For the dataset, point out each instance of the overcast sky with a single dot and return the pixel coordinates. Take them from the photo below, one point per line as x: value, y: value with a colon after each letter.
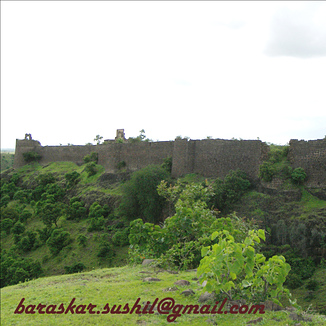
x: 73, y: 70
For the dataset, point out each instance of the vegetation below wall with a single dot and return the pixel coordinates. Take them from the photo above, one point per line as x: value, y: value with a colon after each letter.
x: 63, y: 218
x: 7, y: 160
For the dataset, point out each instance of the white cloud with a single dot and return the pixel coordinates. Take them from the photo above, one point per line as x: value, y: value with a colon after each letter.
x: 299, y: 32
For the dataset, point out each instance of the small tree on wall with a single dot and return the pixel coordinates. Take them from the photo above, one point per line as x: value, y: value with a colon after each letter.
x: 98, y: 139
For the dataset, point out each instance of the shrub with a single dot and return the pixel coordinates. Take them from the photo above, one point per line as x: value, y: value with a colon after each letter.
x: 230, y: 190
x: 44, y: 233
x: 4, y: 200
x: 236, y: 270
x: 9, y: 212
x: 266, y: 171
x: 92, y: 157
x: 106, y: 249
x: 312, y: 285
x: 82, y: 240
x: 298, y: 176
x: 31, y: 157
x: 27, y: 243
x: 167, y: 164
x: 58, y: 240
x: 120, y: 238
x: 25, y: 215
x: 76, y: 268
x: 72, y: 178
x: 76, y: 209
x: 96, y: 224
x: 21, y: 195
x: 96, y: 210
x: 140, y: 198
x: 45, y: 178
x: 91, y: 169
x: 18, y: 228
x: 8, y: 189
x: 6, y: 225
x: 15, y: 269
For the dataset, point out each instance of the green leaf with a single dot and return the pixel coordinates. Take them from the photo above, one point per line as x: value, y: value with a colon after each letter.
x: 261, y: 234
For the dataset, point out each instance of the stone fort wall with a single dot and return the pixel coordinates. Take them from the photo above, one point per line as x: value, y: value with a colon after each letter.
x: 311, y: 156
x: 208, y: 157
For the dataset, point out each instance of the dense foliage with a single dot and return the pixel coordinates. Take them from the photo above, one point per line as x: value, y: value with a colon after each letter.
x: 140, y: 198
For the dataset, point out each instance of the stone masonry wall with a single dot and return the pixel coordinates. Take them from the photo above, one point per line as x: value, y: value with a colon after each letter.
x: 311, y: 156
x: 208, y: 157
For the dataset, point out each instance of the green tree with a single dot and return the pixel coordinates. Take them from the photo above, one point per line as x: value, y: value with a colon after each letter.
x: 58, y: 240
x: 239, y: 272
x: 98, y: 139
x: 140, y: 198
x: 298, y: 176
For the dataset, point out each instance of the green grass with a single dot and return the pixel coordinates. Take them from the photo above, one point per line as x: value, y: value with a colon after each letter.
x: 313, y: 300
x: 118, y: 286
x: 308, y: 201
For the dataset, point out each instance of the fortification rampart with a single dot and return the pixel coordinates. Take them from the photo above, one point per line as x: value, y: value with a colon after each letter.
x: 208, y: 157
x: 311, y: 156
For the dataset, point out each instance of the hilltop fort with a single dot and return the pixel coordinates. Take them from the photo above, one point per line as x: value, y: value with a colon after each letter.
x: 208, y: 157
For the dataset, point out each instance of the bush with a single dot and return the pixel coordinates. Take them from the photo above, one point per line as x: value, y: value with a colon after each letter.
x: 76, y: 268
x: 91, y: 169
x: 82, y: 240
x: 45, y: 179
x: 76, y: 209
x: 8, y: 189
x: 140, y: 198
x: 72, y: 178
x: 6, y: 225
x: 27, y: 243
x: 9, y: 212
x: 167, y: 164
x: 106, y: 249
x: 31, y: 157
x: 92, y: 157
x: 4, y: 200
x: 266, y: 171
x: 230, y: 190
x: 96, y: 224
x: 293, y: 281
x: 21, y: 195
x: 15, y: 269
x: 120, y: 238
x: 25, y: 215
x: 235, y: 270
x: 58, y: 240
x: 312, y: 285
x: 18, y: 228
x: 298, y: 176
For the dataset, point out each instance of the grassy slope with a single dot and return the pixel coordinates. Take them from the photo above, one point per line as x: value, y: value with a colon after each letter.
x: 73, y: 253
x: 118, y: 286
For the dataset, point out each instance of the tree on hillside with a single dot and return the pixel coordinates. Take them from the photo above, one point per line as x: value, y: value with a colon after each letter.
x: 140, y: 197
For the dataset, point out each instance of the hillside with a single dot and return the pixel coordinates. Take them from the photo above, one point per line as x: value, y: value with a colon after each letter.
x: 66, y: 218
x: 7, y: 160
x: 119, y: 286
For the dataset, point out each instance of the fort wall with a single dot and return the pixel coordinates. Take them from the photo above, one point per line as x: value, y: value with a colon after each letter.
x: 208, y: 157
x: 311, y: 156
